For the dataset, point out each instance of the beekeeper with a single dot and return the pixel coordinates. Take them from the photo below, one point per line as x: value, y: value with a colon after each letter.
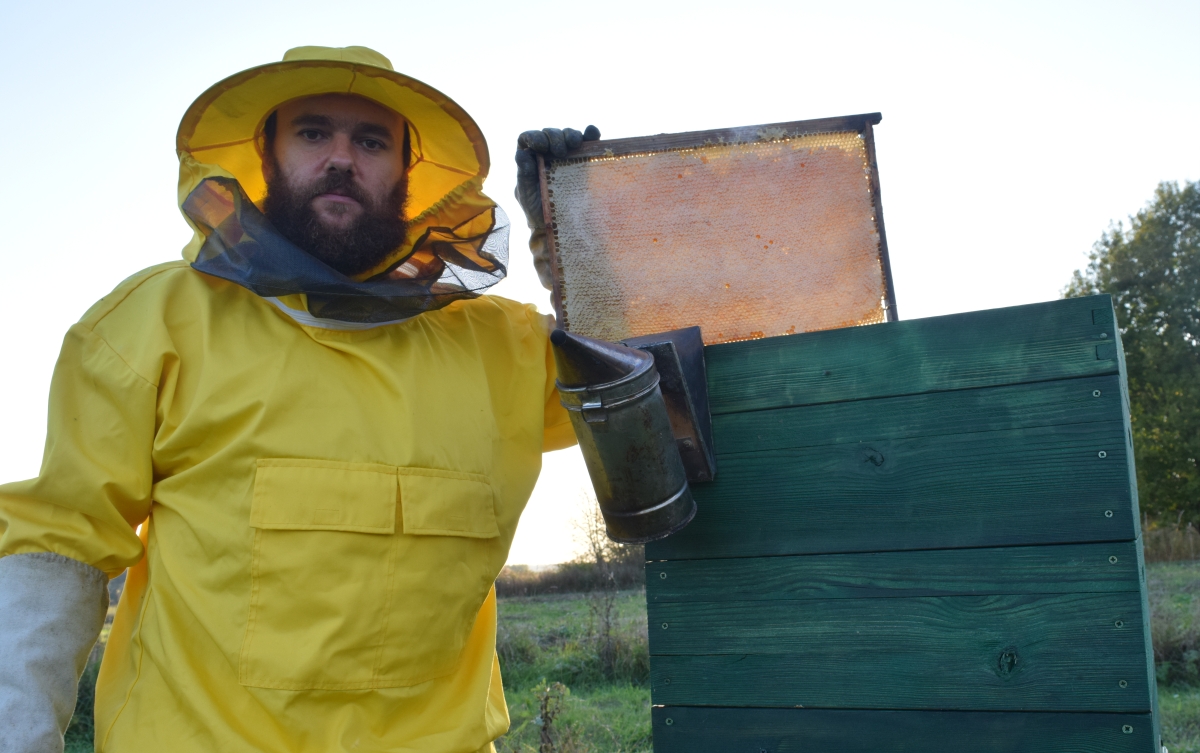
x: 309, y: 442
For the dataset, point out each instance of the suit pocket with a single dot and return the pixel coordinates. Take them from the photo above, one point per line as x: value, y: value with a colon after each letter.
x: 447, y: 558
x: 341, y: 599
x: 321, y: 574
x: 447, y: 503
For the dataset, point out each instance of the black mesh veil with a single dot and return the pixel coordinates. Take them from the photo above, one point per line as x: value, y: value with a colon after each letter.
x: 445, y: 265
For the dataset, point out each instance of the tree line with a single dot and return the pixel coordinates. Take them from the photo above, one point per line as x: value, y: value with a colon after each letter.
x: 1151, y: 268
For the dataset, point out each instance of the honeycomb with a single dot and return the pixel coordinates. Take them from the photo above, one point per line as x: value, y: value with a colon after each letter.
x: 746, y: 240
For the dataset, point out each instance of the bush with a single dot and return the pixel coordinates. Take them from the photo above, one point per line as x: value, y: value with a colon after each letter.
x: 1173, y: 544
x: 570, y: 577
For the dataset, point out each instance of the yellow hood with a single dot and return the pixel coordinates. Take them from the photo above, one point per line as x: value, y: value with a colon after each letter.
x: 220, y: 137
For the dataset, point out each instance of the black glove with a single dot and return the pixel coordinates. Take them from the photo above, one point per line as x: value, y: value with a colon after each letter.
x: 554, y: 142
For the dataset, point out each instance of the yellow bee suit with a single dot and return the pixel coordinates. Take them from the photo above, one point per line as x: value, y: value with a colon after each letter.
x: 323, y: 511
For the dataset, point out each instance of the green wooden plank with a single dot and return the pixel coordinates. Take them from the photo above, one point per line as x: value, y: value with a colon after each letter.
x: 1066, y: 652
x: 1043, y: 485
x: 721, y: 730
x: 1066, y: 401
x: 1077, y: 568
x: 1035, y: 343
x: 1147, y: 642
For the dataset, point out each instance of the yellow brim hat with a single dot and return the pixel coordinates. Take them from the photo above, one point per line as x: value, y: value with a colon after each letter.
x: 220, y: 136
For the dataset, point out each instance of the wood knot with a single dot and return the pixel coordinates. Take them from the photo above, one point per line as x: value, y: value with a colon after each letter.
x: 873, y: 456
x: 1006, y: 664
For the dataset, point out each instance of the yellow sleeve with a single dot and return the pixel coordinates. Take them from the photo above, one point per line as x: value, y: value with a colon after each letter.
x: 558, y: 433
x: 94, y: 486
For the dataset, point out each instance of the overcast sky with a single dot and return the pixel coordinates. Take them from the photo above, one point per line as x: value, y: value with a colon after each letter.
x: 1012, y: 134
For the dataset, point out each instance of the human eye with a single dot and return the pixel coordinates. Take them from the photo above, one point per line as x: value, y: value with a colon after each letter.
x: 311, y: 134
x: 373, y: 145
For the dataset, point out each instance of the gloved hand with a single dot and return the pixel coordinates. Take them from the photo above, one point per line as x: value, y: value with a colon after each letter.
x: 556, y: 143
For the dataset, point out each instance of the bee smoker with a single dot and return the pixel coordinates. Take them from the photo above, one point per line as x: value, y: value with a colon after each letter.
x: 621, y: 420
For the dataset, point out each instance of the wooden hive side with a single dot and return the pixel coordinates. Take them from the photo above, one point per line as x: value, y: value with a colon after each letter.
x: 921, y: 533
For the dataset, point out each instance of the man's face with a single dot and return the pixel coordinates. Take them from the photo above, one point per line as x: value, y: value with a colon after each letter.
x: 336, y: 179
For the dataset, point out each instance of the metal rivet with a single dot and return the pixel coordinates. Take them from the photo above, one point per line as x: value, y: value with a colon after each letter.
x: 1123, y: 684
x: 1127, y: 729
x: 1120, y: 623
x: 1108, y: 513
x: 663, y: 576
x: 1102, y: 454
x: 670, y: 721
x: 667, y: 681
x: 664, y: 626
x: 1103, y: 335
x: 1113, y: 559
x: 1095, y: 393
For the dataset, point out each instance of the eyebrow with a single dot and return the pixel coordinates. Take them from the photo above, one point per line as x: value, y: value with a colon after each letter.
x: 360, y: 129
x: 312, y: 120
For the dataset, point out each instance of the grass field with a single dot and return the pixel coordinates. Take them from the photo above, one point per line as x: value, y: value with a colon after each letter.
x: 585, y: 654
x: 581, y: 662
x: 1174, y: 589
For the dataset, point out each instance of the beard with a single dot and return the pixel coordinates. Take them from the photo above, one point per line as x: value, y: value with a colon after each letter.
x: 351, y: 250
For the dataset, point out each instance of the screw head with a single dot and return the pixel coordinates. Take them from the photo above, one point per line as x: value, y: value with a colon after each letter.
x: 1112, y: 560
x: 1095, y: 393
x: 662, y: 576
x: 1123, y: 684
x: 1108, y: 513
x: 664, y: 626
x: 669, y: 721
x: 1119, y: 623
x: 1102, y: 454
x: 1127, y: 729
x: 1103, y: 335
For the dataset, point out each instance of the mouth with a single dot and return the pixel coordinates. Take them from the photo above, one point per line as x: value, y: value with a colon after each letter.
x: 337, y: 198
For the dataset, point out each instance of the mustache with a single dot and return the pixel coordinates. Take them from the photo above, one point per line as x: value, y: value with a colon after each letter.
x: 339, y: 183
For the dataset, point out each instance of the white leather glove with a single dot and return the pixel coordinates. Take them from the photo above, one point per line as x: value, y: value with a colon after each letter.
x: 554, y: 142
x: 51, y: 611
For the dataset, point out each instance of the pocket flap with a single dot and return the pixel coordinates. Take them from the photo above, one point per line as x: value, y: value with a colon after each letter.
x: 321, y: 495
x: 447, y: 503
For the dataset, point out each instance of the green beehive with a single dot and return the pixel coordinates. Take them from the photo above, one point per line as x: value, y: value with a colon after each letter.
x: 922, y: 536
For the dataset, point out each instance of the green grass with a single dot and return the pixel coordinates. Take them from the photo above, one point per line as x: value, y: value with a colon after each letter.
x: 1179, y: 707
x: 607, y: 719
x: 562, y: 638
x: 1174, y: 589
x: 585, y: 654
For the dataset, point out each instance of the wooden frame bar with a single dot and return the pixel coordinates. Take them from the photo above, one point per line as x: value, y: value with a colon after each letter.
x: 862, y: 124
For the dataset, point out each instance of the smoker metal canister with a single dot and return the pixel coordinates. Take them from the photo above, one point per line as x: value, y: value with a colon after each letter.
x: 620, y: 418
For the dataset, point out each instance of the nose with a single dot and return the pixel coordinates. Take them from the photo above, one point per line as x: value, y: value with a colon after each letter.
x: 341, y: 155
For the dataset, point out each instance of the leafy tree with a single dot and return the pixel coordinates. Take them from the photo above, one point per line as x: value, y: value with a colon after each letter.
x: 1152, y: 270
